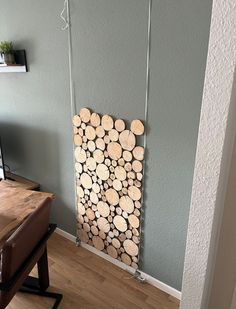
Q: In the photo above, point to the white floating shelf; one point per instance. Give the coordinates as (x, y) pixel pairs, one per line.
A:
(13, 69)
(19, 67)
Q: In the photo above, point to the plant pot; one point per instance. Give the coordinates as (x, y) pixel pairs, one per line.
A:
(8, 58)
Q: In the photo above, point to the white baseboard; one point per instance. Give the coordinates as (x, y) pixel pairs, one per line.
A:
(158, 284)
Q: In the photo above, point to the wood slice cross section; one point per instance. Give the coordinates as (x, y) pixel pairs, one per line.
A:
(109, 173)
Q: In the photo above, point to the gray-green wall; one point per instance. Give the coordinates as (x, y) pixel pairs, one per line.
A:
(109, 54)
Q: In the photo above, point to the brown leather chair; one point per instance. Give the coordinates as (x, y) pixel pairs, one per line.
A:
(21, 251)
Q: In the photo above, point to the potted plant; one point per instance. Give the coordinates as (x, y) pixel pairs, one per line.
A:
(7, 52)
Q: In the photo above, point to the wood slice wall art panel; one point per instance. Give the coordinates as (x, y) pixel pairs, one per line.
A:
(109, 173)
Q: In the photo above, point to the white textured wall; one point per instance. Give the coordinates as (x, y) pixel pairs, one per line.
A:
(214, 150)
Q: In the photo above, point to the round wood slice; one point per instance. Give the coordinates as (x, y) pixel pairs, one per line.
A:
(114, 163)
(133, 221)
(85, 114)
(131, 175)
(121, 162)
(112, 252)
(130, 247)
(112, 197)
(100, 131)
(128, 166)
(118, 211)
(98, 156)
(103, 209)
(113, 135)
(93, 197)
(102, 171)
(106, 154)
(80, 219)
(95, 187)
(80, 192)
(95, 120)
(138, 153)
(102, 235)
(110, 234)
(94, 230)
(137, 166)
(85, 139)
(86, 227)
(107, 162)
(116, 243)
(120, 223)
(136, 239)
(125, 258)
(130, 182)
(80, 155)
(117, 185)
(94, 207)
(128, 234)
(84, 146)
(106, 139)
(125, 215)
(125, 183)
(127, 204)
(86, 219)
(109, 239)
(98, 243)
(137, 127)
(127, 140)
(135, 259)
(91, 146)
(86, 181)
(78, 168)
(137, 184)
(77, 140)
(137, 204)
(81, 132)
(120, 125)
(83, 236)
(120, 173)
(90, 214)
(80, 208)
(100, 144)
(114, 150)
(127, 155)
(135, 232)
(115, 232)
(137, 212)
(88, 154)
(91, 164)
(76, 121)
(124, 190)
(112, 169)
(103, 225)
(134, 193)
(134, 265)
(110, 219)
(110, 182)
(90, 133)
(107, 122)
(122, 237)
(97, 214)
(83, 125)
(106, 186)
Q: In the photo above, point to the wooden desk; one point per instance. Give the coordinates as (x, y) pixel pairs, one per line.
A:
(15, 181)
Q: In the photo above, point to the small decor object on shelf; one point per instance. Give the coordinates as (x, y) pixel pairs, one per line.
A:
(7, 52)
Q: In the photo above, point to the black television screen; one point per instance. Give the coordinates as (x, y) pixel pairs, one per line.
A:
(2, 170)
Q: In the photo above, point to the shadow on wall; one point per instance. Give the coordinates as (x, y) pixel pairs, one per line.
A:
(35, 154)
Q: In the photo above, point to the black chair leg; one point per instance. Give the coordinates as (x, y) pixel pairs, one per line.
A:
(38, 286)
(43, 274)
(56, 296)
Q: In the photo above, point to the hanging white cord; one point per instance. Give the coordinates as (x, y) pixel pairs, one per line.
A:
(67, 25)
(146, 96)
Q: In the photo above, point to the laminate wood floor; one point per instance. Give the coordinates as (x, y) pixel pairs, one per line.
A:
(89, 282)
